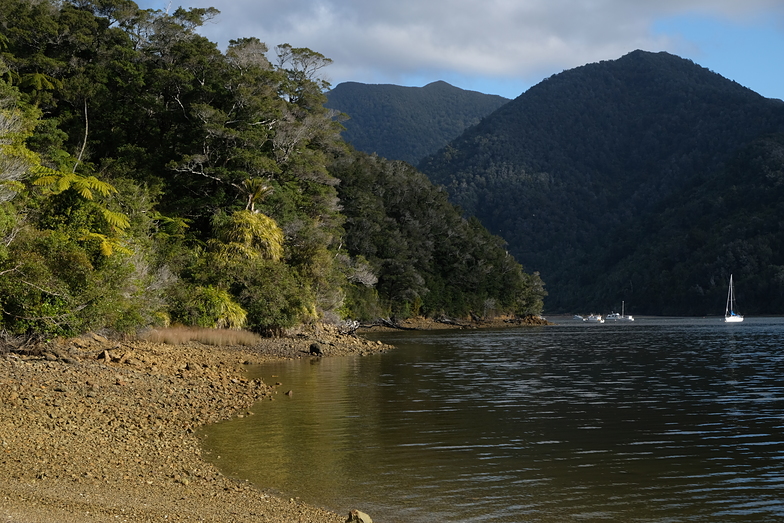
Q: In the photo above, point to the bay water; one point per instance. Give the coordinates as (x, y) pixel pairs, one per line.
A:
(664, 420)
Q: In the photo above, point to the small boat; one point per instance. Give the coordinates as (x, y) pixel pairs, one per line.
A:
(578, 317)
(595, 318)
(730, 316)
(614, 316)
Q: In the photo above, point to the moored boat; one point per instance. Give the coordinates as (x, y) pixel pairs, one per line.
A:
(730, 316)
(614, 316)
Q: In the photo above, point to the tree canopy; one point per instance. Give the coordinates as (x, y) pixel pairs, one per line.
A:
(146, 178)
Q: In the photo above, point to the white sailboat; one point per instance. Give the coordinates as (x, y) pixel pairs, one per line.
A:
(623, 316)
(730, 316)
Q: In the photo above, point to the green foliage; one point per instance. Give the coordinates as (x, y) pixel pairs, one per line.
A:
(49, 285)
(575, 172)
(249, 235)
(363, 303)
(145, 175)
(207, 307)
(59, 182)
(408, 123)
(428, 259)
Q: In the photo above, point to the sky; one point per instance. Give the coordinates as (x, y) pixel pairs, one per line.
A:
(505, 47)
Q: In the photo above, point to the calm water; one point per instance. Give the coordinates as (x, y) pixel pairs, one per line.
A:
(660, 420)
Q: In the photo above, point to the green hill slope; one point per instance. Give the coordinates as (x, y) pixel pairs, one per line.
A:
(566, 171)
(408, 123)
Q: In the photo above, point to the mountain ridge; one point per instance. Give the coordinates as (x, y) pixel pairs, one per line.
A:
(407, 123)
(558, 170)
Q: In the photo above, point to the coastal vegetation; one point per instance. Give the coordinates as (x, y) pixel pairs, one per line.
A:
(148, 178)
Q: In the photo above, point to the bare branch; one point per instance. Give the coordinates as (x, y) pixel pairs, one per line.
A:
(84, 142)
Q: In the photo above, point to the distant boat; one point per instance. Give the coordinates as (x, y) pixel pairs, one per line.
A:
(578, 317)
(614, 316)
(595, 318)
(730, 316)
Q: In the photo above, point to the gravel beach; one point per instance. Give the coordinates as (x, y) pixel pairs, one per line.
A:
(99, 430)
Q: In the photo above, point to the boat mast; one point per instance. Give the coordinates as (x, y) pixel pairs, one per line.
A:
(730, 299)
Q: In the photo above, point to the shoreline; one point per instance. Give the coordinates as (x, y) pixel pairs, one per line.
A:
(95, 430)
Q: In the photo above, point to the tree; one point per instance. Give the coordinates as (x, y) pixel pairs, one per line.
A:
(247, 234)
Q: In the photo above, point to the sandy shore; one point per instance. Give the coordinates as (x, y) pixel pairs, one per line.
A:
(98, 430)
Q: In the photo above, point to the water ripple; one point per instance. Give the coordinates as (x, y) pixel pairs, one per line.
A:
(671, 420)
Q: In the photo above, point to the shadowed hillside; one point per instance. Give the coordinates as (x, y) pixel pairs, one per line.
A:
(579, 173)
(408, 123)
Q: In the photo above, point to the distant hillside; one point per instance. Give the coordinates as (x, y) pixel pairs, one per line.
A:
(676, 260)
(408, 123)
(597, 175)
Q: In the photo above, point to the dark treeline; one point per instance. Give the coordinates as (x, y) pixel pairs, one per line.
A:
(146, 178)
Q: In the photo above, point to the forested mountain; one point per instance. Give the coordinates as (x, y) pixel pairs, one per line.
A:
(647, 179)
(148, 178)
(408, 123)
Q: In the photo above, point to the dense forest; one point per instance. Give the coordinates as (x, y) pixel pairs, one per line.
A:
(647, 179)
(408, 123)
(149, 178)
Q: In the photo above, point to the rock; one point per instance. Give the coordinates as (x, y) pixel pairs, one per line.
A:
(357, 516)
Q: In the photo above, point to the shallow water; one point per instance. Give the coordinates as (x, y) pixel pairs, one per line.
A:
(660, 420)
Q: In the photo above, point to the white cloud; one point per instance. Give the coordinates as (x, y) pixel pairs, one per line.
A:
(391, 40)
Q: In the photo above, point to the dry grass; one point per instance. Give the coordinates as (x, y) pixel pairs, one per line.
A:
(218, 337)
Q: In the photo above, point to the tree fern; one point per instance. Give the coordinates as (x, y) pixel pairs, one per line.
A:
(107, 245)
(248, 234)
(59, 181)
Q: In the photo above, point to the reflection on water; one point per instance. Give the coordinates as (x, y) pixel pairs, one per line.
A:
(654, 421)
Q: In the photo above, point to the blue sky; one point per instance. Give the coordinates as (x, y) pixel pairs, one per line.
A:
(506, 46)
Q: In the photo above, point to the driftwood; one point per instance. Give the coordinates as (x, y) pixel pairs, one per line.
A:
(449, 321)
(389, 322)
(26, 344)
(348, 327)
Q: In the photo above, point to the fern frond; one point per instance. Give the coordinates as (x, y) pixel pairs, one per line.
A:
(93, 183)
(85, 193)
(107, 246)
(117, 220)
(44, 180)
